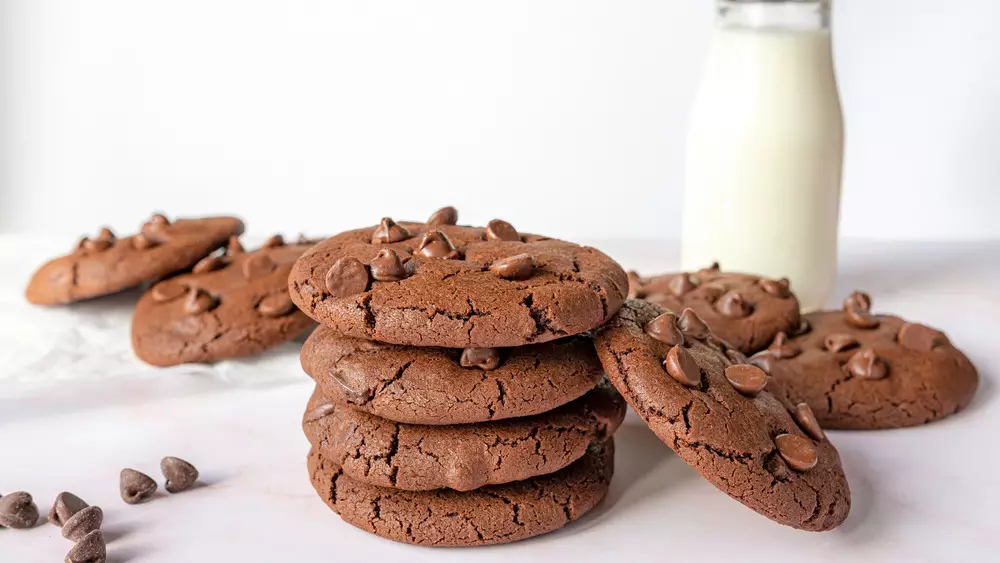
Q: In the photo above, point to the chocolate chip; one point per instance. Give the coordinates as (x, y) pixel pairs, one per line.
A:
(199, 301)
(634, 283)
(733, 305)
(387, 266)
(389, 231)
(209, 264)
(762, 360)
(258, 266)
(96, 245)
(179, 473)
(682, 367)
(519, 267)
(858, 300)
(680, 284)
(804, 415)
(839, 342)
(498, 229)
(920, 338)
(64, 507)
(318, 413)
(18, 511)
(83, 522)
(867, 364)
(798, 452)
(135, 486)
(348, 276)
(483, 358)
(777, 288)
(692, 325)
(861, 318)
(168, 291)
(158, 220)
(142, 242)
(353, 395)
(782, 348)
(274, 241)
(276, 305)
(444, 216)
(90, 549)
(234, 247)
(748, 379)
(664, 328)
(436, 244)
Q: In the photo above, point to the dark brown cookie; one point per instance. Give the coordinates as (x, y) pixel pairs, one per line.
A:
(490, 515)
(463, 457)
(861, 371)
(431, 386)
(456, 287)
(745, 311)
(704, 402)
(107, 264)
(232, 304)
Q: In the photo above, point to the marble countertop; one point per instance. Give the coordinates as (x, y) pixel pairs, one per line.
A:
(76, 407)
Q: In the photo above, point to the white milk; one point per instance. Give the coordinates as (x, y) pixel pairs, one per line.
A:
(764, 159)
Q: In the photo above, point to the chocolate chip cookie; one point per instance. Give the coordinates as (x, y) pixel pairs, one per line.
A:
(705, 402)
(450, 385)
(464, 456)
(745, 311)
(231, 304)
(490, 515)
(107, 264)
(457, 287)
(862, 371)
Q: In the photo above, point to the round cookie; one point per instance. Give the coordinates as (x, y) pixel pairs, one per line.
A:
(230, 305)
(490, 515)
(463, 457)
(707, 404)
(456, 287)
(745, 311)
(431, 386)
(107, 264)
(860, 371)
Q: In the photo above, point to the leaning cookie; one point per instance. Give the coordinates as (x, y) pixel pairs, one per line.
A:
(745, 311)
(230, 305)
(861, 371)
(107, 264)
(705, 402)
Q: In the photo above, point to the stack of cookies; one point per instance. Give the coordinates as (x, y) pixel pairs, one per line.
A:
(458, 399)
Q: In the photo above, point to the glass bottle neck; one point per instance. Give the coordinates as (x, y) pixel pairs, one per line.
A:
(802, 15)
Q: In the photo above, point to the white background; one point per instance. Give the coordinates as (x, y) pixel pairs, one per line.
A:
(564, 116)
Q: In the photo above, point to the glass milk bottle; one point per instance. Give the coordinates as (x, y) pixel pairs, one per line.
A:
(765, 148)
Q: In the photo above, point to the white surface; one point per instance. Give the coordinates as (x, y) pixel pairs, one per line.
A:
(291, 112)
(76, 407)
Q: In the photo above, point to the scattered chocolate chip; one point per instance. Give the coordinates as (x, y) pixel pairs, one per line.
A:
(436, 244)
(782, 348)
(498, 229)
(798, 452)
(199, 301)
(86, 520)
(444, 216)
(96, 245)
(762, 360)
(748, 379)
(389, 231)
(64, 507)
(387, 266)
(142, 242)
(179, 473)
(861, 318)
(209, 264)
(519, 267)
(258, 266)
(318, 413)
(483, 358)
(839, 342)
(692, 325)
(18, 511)
(858, 300)
(867, 364)
(348, 276)
(276, 305)
(353, 395)
(680, 284)
(664, 328)
(90, 549)
(777, 288)
(168, 291)
(634, 283)
(804, 415)
(777, 467)
(682, 367)
(274, 241)
(135, 486)
(733, 305)
(712, 269)
(158, 220)
(920, 338)
(234, 247)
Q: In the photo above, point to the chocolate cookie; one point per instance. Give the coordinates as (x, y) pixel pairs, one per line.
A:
(490, 515)
(231, 304)
(434, 386)
(463, 456)
(745, 311)
(707, 404)
(861, 371)
(107, 264)
(456, 287)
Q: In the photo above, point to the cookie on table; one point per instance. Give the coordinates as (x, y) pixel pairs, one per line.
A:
(438, 284)
(491, 515)
(703, 400)
(232, 304)
(862, 371)
(463, 457)
(107, 264)
(450, 385)
(745, 311)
